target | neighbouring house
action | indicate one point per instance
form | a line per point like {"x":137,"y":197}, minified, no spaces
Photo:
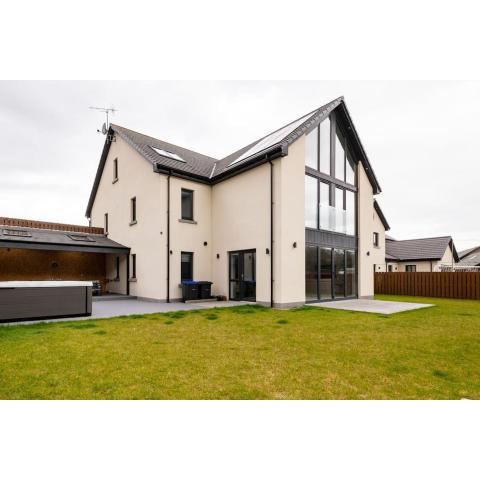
{"x":34,"y":250}
{"x":420,"y":254}
{"x":469,"y":257}
{"x":287,"y":219}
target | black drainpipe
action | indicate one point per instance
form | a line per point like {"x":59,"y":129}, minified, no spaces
{"x":168,"y":236}
{"x":271,"y":234}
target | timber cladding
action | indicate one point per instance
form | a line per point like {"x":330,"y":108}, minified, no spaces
{"x":462,"y":285}
{"x":26,"y":264}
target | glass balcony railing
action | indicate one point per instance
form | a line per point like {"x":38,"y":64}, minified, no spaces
{"x":337,"y":220}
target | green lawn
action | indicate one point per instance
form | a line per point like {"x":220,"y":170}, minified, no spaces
{"x":250,"y":352}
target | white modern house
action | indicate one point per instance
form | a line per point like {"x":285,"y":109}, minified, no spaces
{"x":290,"y":218}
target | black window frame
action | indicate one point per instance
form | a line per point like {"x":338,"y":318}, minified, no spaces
{"x":115,"y":170}
{"x":134,"y":265}
{"x":105,"y":223}
{"x":184,"y":215}
{"x":190,"y":255}
{"x":376,"y":239}
{"x":133,"y":210}
{"x":411,"y":268}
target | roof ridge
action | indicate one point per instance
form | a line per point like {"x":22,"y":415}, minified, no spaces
{"x":423,"y":238}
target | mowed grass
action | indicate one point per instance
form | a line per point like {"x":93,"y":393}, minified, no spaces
{"x":250,"y":352}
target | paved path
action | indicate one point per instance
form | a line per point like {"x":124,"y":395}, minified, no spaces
{"x":116,"y":308}
{"x":371,"y":306}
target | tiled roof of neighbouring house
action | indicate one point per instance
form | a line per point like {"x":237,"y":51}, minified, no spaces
{"x":181,"y":161}
{"x":418,"y":249}
{"x":470,"y":257}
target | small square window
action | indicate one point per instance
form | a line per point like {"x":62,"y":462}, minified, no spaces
{"x":410,"y":268}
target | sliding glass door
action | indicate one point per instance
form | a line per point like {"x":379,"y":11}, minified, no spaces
{"x":330,"y":274}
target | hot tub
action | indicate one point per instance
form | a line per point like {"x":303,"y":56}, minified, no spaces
{"x":45,"y":299}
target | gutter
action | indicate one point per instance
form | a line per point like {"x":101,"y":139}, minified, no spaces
{"x":168,"y":236}
{"x":271,"y":233}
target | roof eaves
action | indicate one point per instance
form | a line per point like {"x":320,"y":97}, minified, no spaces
{"x":381,"y":215}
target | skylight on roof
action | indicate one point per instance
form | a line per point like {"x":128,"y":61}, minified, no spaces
{"x":272,"y":139}
{"x":165,"y":153}
{"x":80,"y":238}
{"x":16,"y":233}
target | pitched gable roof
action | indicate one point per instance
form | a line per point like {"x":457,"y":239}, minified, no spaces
{"x":470,"y":257}
{"x":209,"y":170}
{"x":419,"y":248}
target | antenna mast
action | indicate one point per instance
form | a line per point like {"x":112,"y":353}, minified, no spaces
{"x":106,"y":111}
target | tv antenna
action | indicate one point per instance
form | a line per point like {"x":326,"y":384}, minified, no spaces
{"x":106,"y":125}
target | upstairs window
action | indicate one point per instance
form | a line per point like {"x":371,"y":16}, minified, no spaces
{"x":187,"y":204}
{"x":325,"y":146}
{"x":115,"y":170}
{"x":311,"y":159}
{"x":133,"y":210}
{"x":339,"y":156}
{"x":376,"y":241}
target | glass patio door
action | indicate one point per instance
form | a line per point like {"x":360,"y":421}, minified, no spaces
{"x":242,"y":275}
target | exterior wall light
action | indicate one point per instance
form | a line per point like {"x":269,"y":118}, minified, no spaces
{"x":294,"y":244}
{"x":205,"y":244}
{"x":267,"y":251}
{"x":368,"y":254}
{"x":218,"y":255}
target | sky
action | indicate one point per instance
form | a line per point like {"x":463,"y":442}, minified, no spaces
{"x":422,"y":139}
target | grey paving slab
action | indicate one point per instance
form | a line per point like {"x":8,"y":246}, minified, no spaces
{"x":372,"y":306}
{"x":116,"y":308}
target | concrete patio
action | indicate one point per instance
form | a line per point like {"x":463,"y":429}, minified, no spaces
{"x":108,"y":308}
{"x":372,"y":306}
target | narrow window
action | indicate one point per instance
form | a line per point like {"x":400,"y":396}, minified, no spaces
{"x":117,"y":276}
{"x":106,"y":224}
{"x":325,"y":146}
{"x":340,"y":213}
{"x":133,"y":210}
{"x":340,"y":156}
{"x":350,"y":169}
{"x":187,"y":204}
{"x":134,"y":265}
{"x":186,"y":266}
{"x":375,"y":239}
{"x":350,"y":209}
{"x":390,"y":268}
{"x":311,"y":202}
{"x":311,"y":159}
{"x":410,"y":268}
{"x":327,"y":219}
{"x":115,"y":170}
